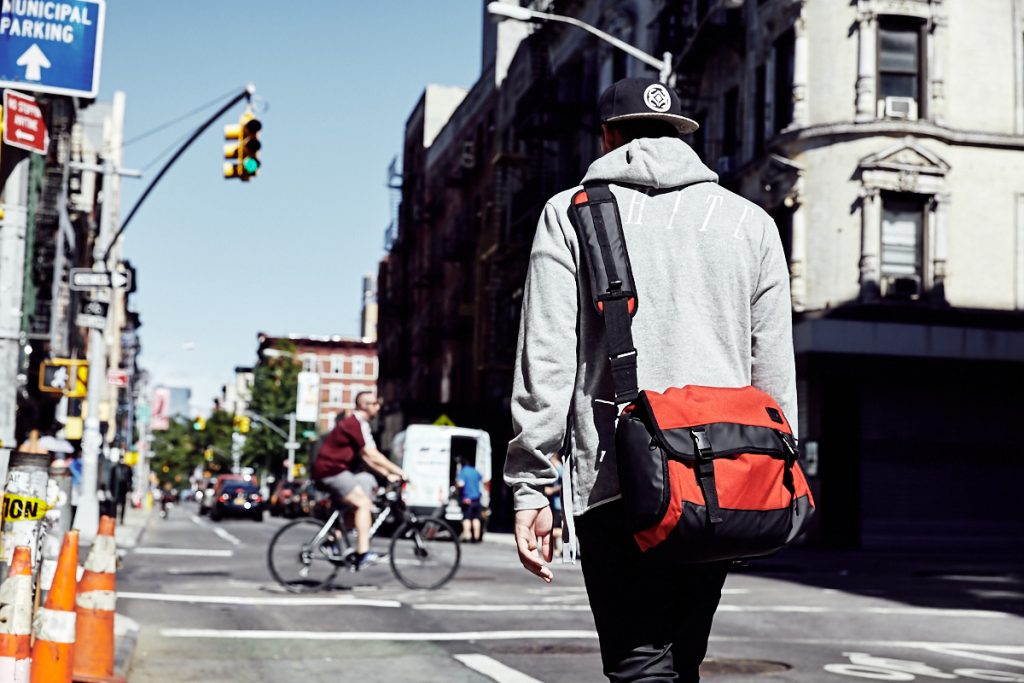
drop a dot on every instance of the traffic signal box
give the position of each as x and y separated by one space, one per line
242 147
242 424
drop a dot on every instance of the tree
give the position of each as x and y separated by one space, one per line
175 452
274 389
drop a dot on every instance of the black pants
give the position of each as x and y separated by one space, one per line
653 620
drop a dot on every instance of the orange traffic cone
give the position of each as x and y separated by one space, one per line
54 626
16 618
94 625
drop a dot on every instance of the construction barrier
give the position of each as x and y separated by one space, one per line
54 627
24 504
97 597
16 619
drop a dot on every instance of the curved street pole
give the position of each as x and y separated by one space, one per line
663 65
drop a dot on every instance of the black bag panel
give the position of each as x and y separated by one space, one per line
727 439
594 221
741 534
643 474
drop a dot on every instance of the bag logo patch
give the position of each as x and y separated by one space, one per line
657 99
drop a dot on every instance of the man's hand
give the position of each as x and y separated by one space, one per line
533 528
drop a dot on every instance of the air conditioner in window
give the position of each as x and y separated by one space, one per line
901 287
468 154
898 108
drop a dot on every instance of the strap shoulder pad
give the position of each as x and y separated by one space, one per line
594 214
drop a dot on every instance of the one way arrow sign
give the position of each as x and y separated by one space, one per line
34 60
83 279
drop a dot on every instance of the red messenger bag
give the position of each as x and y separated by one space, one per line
706 473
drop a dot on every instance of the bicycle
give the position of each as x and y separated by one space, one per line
306 554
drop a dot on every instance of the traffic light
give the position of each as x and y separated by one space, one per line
242 147
232 150
199 424
241 424
250 149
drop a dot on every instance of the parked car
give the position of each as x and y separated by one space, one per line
286 500
236 498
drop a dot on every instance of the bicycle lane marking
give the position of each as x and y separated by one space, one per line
494 669
215 529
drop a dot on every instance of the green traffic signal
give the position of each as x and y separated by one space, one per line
250 164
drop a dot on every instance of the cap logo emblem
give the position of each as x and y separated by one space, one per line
657 99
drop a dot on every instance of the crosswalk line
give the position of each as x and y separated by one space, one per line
494 669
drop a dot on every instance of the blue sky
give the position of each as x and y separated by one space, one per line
219 261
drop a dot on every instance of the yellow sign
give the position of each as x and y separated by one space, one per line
67 376
22 508
74 427
444 421
131 458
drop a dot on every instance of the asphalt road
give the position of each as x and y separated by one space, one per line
209 611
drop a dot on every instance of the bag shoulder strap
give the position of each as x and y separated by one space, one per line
594 214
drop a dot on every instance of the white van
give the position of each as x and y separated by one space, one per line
426 453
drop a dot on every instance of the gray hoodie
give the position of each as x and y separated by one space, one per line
714 310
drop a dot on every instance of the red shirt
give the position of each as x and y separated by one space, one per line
340 450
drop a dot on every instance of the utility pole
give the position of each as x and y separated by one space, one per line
13 225
88 514
292 445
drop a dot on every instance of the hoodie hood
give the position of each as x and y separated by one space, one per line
652 162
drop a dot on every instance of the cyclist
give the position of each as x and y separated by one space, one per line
344 466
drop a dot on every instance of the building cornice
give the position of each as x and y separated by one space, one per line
919 129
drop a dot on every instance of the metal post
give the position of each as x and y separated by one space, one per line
88 514
292 445
12 275
237 444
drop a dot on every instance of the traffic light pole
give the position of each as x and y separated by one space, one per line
88 514
246 94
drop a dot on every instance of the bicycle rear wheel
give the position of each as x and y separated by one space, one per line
425 553
296 563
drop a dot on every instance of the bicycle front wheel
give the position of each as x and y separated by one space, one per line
296 561
425 553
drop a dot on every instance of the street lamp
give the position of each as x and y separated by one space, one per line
502 11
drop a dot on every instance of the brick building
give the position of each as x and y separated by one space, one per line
345 366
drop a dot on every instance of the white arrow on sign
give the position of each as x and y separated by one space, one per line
34 60
84 278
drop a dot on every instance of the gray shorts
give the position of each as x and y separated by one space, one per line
346 482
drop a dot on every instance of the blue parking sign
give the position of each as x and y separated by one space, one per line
52 46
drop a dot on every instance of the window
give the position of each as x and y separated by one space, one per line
334 393
310 364
899 59
336 364
358 366
730 119
760 108
902 237
785 53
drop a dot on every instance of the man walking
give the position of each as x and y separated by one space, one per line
714 285
120 487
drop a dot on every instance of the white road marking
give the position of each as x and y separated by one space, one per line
215 529
494 669
976 655
441 607
363 635
888 611
258 600
798 609
192 552
905 644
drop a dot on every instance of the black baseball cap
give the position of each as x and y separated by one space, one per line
644 98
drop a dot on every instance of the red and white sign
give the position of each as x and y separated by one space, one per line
118 378
24 126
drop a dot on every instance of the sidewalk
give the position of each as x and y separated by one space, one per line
126 631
